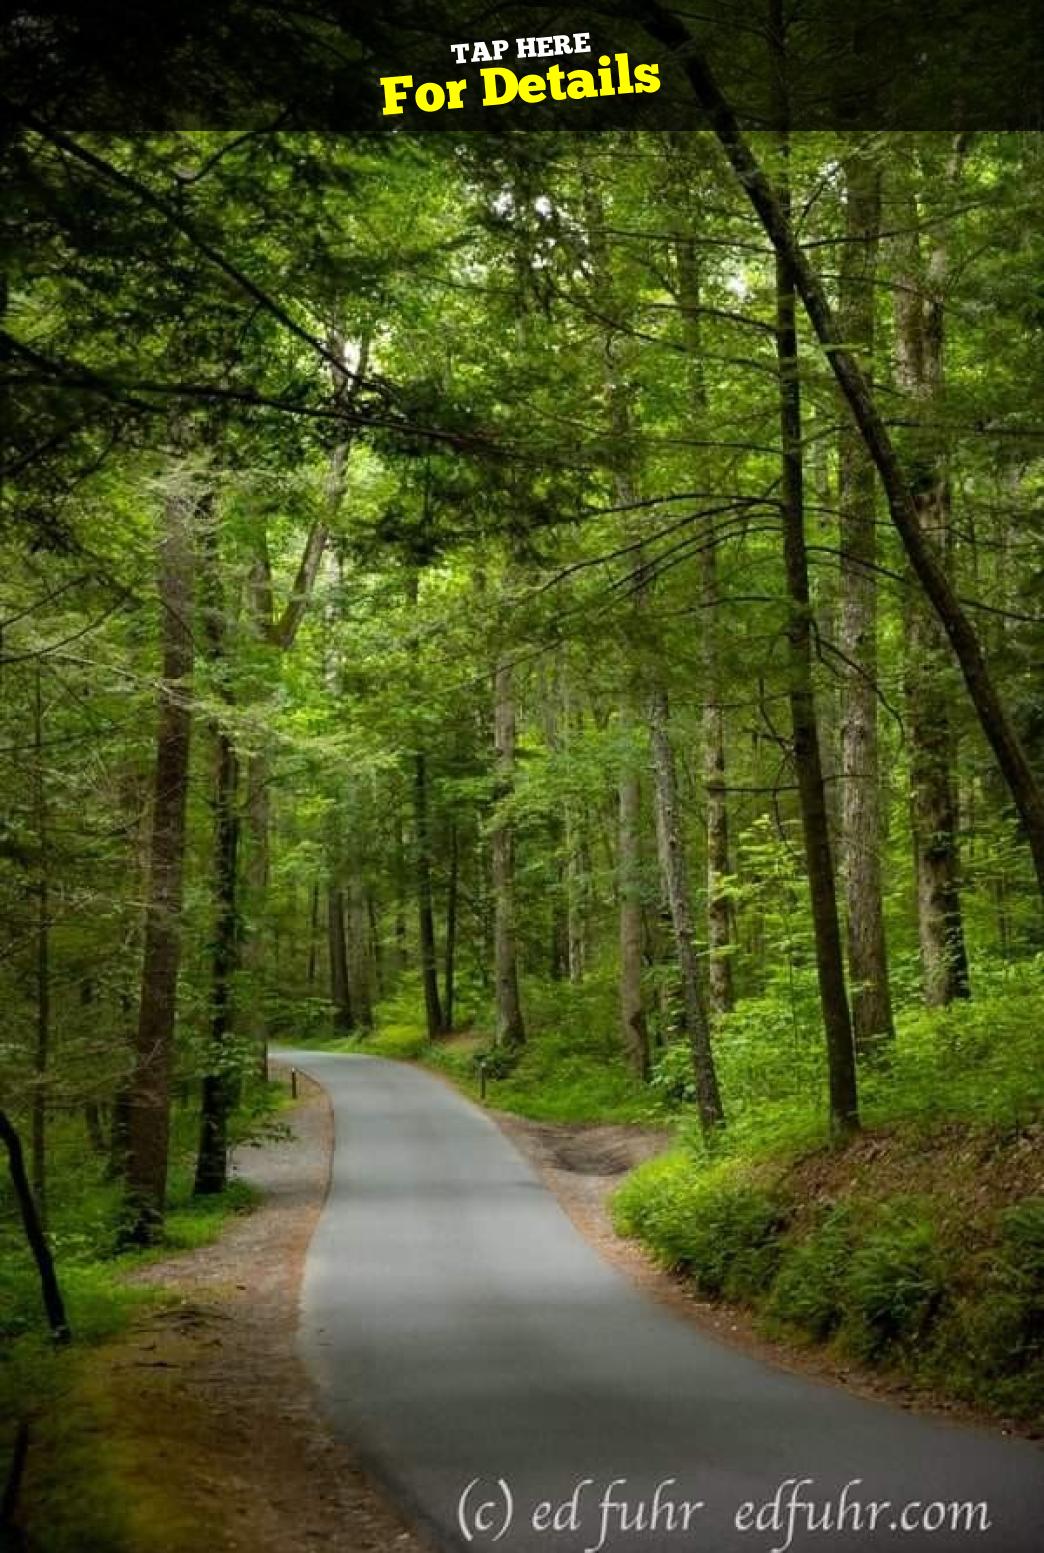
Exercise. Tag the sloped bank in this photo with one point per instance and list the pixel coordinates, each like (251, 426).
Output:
(914, 1252)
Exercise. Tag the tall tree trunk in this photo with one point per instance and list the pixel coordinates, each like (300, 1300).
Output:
(34, 1233)
(313, 937)
(376, 943)
(451, 927)
(861, 781)
(719, 908)
(254, 952)
(675, 872)
(41, 1052)
(402, 956)
(841, 1071)
(281, 634)
(629, 871)
(573, 837)
(919, 332)
(149, 1090)
(219, 1085)
(634, 1028)
(994, 717)
(510, 1029)
(360, 961)
(340, 987)
(425, 900)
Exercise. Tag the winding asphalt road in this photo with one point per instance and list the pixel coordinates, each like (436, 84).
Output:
(500, 1377)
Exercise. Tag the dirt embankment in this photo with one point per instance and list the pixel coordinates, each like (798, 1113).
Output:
(215, 1419)
(583, 1164)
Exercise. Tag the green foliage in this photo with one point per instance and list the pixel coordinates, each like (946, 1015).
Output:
(717, 1224)
(571, 1068)
(892, 1282)
(895, 1283)
(808, 1294)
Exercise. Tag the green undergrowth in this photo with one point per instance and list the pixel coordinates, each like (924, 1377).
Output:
(570, 1070)
(76, 1499)
(943, 1284)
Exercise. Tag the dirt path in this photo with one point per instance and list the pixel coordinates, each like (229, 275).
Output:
(210, 1397)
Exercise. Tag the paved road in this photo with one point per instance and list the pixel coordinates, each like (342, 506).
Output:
(460, 1329)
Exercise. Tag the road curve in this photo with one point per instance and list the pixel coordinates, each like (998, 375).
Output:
(499, 1377)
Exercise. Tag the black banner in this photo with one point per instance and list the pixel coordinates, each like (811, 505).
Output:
(340, 66)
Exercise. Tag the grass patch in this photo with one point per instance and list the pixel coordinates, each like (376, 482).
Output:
(80, 1495)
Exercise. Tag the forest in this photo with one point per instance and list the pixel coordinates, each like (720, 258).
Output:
(564, 609)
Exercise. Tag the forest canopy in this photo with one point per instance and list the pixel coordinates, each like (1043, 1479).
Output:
(579, 594)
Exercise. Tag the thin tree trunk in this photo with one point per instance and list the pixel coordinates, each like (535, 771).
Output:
(679, 899)
(359, 959)
(218, 1094)
(841, 1071)
(719, 906)
(149, 1091)
(12, 1540)
(92, 1120)
(401, 896)
(376, 944)
(933, 809)
(872, 1022)
(451, 927)
(510, 1029)
(719, 909)
(577, 873)
(119, 1128)
(425, 901)
(219, 1084)
(340, 991)
(633, 1024)
(313, 937)
(254, 952)
(993, 714)
(629, 871)
(281, 634)
(41, 1052)
(34, 1233)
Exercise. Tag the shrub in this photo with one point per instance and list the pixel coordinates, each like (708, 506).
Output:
(716, 1224)
(808, 1293)
(895, 1283)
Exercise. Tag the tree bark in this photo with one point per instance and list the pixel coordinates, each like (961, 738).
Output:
(675, 872)
(629, 871)
(219, 1083)
(841, 1071)
(34, 1233)
(633, 1023)
(719, 909)
(313, 937)
(872, 1022)
(425, 901)
(219, 1087)
(919, 330)
(340, 988)
(41, 1052)
(149, 1091)
(451, 928)
(510, 1028)
(992, 712)
(360, 961)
